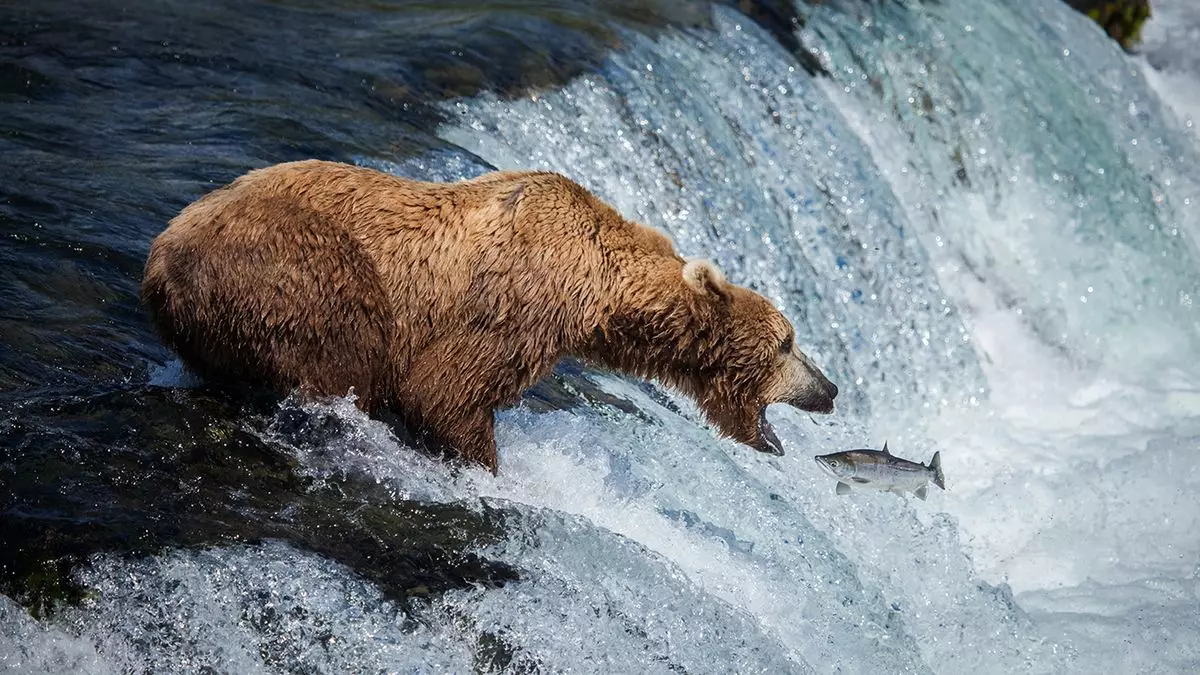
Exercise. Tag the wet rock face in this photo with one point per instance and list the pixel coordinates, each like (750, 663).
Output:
(137, 472)
(1121, 19)
(144, 470)
(782, 18)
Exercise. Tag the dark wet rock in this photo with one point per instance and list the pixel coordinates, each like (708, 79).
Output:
(570, 387)
(1121, 19)
(136, 472)
(493, 654)
(782, 19)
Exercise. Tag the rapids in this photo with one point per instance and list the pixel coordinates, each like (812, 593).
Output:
(984, 225)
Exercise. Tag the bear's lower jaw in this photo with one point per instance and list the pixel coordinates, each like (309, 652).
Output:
(767, 440)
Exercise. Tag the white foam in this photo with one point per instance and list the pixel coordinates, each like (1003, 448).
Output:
(245, 609)
(1169, 59)
(1077, 468)
(27, 646)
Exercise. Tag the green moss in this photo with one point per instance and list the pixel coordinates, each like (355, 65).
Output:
(44, 585)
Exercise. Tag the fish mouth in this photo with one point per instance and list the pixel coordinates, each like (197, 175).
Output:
(823, 462)
(767, 441)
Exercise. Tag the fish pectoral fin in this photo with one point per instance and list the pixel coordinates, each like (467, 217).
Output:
(921, 492)
(858, 480)
(842, 488)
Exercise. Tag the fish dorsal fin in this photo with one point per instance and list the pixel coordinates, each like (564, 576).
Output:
(885, 450)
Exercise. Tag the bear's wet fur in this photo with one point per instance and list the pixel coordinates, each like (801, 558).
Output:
(441, 302)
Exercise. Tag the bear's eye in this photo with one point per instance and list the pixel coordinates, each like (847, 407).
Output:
(785, 347)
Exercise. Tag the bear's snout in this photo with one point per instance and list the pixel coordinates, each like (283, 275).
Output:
(815, 392)
(814, 402)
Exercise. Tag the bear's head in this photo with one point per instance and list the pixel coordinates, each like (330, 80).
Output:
(744, 358)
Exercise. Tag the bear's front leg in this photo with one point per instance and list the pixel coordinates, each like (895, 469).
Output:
(450, 391)
(471, 436)
(465, 432)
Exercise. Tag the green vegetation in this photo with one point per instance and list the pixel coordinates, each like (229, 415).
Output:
(1122, 19)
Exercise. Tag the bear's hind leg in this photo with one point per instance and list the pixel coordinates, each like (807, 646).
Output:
(293, 305)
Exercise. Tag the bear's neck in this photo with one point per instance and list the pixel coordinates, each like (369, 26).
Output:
(675, 344)
(667, 348)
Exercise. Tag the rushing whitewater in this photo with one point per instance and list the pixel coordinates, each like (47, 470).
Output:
(984, 227)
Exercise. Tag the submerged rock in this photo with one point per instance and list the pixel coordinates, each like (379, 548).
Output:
(1121, 19)
(138, 472)
(782, 19)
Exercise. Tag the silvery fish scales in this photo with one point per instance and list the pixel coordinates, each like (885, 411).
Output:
(881, 470)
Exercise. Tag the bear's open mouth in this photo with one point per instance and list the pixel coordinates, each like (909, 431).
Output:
(767, 440)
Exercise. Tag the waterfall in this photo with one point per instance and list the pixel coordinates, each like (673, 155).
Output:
(984, 227)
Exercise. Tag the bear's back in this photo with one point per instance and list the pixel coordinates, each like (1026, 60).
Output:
(298, 271)
(530, 209)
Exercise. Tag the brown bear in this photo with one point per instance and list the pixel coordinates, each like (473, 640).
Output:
(443, 301)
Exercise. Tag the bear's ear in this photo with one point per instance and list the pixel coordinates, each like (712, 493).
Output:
(705, 279)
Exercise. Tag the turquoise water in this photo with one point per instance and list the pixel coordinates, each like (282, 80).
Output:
(984, 227)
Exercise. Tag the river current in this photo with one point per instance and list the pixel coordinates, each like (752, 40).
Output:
(983, 223)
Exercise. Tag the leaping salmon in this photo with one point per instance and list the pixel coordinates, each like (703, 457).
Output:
(881, 470)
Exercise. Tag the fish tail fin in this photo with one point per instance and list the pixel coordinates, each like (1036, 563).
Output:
(939, 479)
